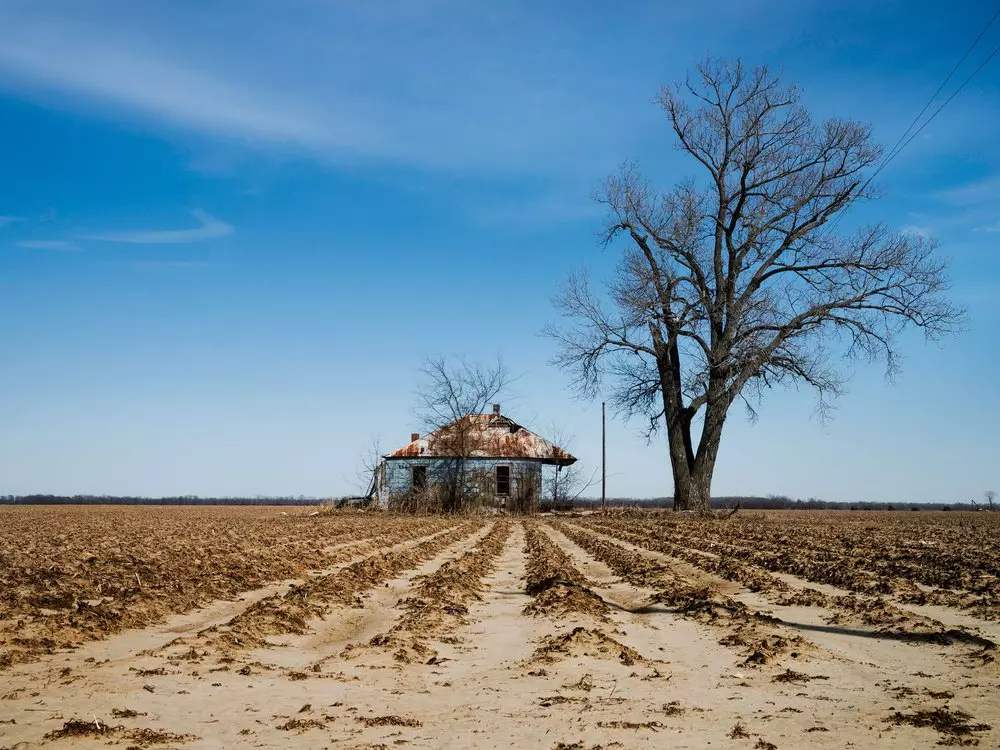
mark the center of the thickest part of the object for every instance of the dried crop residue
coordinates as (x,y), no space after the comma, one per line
(582,641)
(948,559)
(739,732)
(956,727)
(388,721)
(799,678)
(142,737)
(82,728)
(440,600)
(126,713)
(654,725)
(555,597)
(762,647)
(301,725)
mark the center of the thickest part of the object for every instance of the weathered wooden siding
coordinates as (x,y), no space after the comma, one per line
(480,474)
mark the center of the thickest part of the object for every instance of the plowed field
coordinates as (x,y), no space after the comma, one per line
(265,627)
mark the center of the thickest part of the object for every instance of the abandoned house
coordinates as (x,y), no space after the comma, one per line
(483,459)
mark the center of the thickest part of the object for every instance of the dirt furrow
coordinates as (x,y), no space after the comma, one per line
(886,619)
(438,602)
(112,587)
(938,570)
(893,673)
(556,586)
(543,633)
(101,687)
(293,611)
(748,630)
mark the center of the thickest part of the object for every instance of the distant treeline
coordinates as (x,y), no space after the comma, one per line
(770,502)
(776,502)
(178,500)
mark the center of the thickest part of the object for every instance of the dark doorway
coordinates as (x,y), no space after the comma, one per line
(503,481)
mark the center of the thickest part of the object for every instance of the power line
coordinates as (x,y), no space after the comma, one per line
(901,143)
(892,152)
(938,110)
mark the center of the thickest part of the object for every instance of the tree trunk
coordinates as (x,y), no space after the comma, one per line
(694,492)
(678,421)
(699,497)
(680,466)
(693,476)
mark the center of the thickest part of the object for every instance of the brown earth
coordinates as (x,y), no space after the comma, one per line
(260,627)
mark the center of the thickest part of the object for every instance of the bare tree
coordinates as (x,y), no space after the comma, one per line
(563,485)
(451,394)
(990,496)
(371,470)
(736,283)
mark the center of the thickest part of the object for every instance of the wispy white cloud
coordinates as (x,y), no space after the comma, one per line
(973,206)
(437,87)
(211,228)
(977,192)
(538,209)
(47,245)
(923,232)
(156,265)
(6,221)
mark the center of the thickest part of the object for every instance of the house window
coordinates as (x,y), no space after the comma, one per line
(419,477)
(503,481)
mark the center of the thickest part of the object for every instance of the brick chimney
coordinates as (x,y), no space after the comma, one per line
(496,410)
(414,437)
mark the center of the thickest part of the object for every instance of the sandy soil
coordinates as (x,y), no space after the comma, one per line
(426,644)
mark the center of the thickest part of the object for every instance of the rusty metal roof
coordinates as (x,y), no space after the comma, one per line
(484,436)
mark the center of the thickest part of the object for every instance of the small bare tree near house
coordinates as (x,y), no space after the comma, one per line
(563,485)
(451,391)
(371,470)
(990,496)
(736,282)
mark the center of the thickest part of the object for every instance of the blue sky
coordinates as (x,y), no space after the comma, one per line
(230,232)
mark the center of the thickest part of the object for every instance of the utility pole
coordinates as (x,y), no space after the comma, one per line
(604,459)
